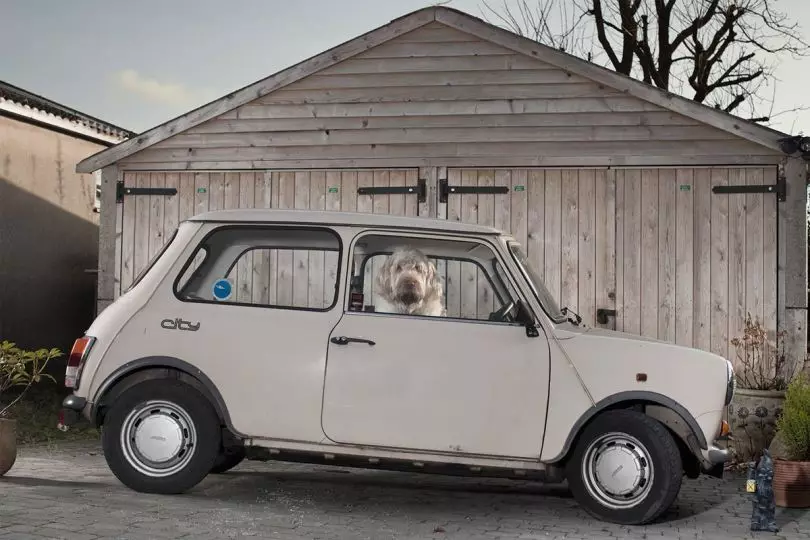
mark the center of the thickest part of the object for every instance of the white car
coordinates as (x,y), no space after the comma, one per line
(314,336)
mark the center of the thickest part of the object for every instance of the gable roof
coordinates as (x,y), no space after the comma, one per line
(762,135)
(29,107)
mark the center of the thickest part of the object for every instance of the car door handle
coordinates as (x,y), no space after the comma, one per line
(343,340)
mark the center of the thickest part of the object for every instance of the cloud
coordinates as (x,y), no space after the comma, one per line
(154,90)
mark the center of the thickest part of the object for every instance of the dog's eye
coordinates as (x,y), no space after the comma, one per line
(399,268)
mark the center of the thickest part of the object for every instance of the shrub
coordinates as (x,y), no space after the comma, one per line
(794,424)
(19,369)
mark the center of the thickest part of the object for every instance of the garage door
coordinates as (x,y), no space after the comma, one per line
(647,251)
(565,218)
(152,204)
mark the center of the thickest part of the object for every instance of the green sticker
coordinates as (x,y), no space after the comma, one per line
(520,188)
(333,189)
(201,190)
(686,187)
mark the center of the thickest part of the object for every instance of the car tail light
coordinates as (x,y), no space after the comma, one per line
(78,354)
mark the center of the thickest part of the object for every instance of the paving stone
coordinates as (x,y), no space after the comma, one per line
(70,493)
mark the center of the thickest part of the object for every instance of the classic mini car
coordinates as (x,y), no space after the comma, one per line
(385,342)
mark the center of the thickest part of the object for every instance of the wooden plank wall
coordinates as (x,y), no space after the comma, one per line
(285,277)
(677,262)
(438,96)
(692,264)
(564,218)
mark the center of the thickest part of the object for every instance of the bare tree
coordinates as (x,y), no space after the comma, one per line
(719,52)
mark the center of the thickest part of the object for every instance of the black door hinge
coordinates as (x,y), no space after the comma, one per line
(420,189)
(446,189)
(779,188)
(121,191)
(602,315)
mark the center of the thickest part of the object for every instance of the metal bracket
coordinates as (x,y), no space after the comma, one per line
(602,315)
(420,189)
(779,188)
(445,189)
(121,191)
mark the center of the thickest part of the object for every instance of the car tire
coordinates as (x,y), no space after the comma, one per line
(626,468)
(228,458)
(161,436)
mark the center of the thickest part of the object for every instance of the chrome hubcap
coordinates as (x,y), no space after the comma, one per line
(618,471)
(158,438)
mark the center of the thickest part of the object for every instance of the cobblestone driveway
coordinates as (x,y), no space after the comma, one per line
(70,493)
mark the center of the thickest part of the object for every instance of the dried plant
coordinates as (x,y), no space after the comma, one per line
(760,362)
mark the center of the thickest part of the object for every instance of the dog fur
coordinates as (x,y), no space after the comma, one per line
(408,283)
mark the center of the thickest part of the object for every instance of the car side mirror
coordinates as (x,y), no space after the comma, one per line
(524,316)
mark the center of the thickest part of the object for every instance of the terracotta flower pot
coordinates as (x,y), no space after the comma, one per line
(791,483)
(8,444)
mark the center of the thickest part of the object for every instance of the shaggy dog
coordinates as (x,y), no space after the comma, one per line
(407,282)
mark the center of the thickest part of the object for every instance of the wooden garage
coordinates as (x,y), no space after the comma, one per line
(644,211)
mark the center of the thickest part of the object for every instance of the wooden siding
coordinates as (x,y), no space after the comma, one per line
(435,96)
(564,218)
(676,261)
(145,222)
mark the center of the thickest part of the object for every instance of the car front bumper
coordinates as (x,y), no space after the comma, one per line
(713,460)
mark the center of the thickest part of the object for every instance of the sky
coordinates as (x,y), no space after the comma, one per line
(140,63)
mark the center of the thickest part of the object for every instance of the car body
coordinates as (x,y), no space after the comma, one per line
(205,360)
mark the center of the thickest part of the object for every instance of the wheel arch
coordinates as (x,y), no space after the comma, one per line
(669,412)
(158,367)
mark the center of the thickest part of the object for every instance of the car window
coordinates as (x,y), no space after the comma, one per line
(264,266)
(151,263)
(422,276)
(547,302)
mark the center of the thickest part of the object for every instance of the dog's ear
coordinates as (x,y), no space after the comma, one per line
(383,278)
(434,281)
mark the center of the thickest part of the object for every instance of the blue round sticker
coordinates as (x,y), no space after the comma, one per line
(222,289)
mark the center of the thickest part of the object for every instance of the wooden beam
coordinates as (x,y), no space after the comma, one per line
(696,147)
(106,238)
(759,134)
(258,89)
(792,266)
(368,123)
(651,160)
(491,134)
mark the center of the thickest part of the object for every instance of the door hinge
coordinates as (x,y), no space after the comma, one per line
(779,188)
(121,191)
(602,315)
(420,189)
(446,189)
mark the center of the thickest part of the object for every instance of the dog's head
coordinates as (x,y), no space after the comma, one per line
(408,277)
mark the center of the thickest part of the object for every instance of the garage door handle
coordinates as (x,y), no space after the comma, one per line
(343,340)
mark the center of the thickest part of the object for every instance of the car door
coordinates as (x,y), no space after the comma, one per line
(454,384)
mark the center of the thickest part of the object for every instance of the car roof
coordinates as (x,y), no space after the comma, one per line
(350,219)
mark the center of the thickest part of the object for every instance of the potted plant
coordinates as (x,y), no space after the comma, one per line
(791,473)
(19,370)
(760,393)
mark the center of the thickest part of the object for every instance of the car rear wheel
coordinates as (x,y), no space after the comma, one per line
(626,468)
(161,436)
(228,458)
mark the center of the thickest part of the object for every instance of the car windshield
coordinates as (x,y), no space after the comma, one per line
(547,301)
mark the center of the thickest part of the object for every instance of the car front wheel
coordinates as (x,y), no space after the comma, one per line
(161,436)
(626,468)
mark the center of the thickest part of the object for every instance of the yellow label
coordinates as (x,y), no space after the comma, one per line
(751,486)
